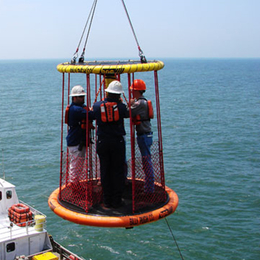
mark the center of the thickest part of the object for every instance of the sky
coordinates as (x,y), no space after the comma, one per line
(51,29)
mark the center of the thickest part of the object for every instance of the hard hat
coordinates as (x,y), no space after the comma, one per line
(77,91)
(115,87)
(138,84)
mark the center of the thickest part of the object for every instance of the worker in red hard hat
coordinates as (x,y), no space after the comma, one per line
(142,113)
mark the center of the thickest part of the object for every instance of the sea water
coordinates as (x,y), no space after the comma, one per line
(210,111)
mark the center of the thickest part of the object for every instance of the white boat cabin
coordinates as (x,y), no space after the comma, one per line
(20,238)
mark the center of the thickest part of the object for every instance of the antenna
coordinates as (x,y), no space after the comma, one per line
(3,164)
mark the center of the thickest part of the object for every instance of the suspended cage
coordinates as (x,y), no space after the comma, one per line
(79,197)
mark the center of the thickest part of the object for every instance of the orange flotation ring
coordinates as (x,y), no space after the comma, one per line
(113,221)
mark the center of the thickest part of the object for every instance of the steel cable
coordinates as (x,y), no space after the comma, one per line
(174,239)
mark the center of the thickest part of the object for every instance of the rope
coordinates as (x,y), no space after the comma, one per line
(73,61)
(90,17)
(100,90)
(81,59)
(142,57)
(174,239)
(101,84)
(126,100)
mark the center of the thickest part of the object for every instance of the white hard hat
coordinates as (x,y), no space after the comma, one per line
(77,91)
(115,87)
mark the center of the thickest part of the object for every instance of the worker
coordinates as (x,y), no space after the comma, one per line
(109,115)
(75,116)
(142,112)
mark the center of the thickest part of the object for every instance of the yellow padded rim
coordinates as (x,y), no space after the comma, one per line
(109,67)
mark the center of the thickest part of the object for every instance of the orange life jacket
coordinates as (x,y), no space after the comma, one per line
(83,121)
(150,109)
(137,119)
(109,112)
(67,114)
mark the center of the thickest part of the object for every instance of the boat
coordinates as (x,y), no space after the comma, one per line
(22,230)
(80,200)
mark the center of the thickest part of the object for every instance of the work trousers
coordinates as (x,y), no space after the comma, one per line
(76,163)
(111,152)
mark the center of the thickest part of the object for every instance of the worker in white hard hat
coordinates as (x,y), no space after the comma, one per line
(109,115)
(75,117)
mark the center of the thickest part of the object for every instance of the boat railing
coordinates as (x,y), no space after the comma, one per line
(33,210)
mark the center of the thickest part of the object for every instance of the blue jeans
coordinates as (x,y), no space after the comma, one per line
(144,142)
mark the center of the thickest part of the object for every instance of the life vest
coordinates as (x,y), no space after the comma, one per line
(67,114)
(83,121)
(137,119)
(20,214)
(109,112)
(150,109)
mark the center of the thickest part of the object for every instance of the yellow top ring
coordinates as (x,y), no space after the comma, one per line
(109,67)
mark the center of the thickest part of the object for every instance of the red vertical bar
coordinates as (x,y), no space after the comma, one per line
(132,138)
(61,141)
(88,105)
(88,155)
(95,131)
(159,128)
(67,154)
(95,155)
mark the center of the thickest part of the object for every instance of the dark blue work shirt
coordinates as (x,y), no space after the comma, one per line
(76,134)
(110,129)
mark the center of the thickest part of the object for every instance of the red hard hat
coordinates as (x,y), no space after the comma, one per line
(138,84)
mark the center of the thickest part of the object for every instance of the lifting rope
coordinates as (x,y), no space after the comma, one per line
(90,17)
(174,239)
(142,57)
(101,84)
(91,13)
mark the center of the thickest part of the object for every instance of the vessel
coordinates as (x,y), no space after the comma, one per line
(79,196)
(22,230)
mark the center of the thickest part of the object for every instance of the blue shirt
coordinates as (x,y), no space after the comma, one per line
(76,134)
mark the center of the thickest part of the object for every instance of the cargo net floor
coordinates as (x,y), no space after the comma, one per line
(82,191)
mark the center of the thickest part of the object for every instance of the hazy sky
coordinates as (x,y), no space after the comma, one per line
(32,29)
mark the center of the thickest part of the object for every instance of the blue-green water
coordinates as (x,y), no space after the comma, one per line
(210,122)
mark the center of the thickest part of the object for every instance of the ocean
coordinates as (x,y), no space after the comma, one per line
(210,111)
